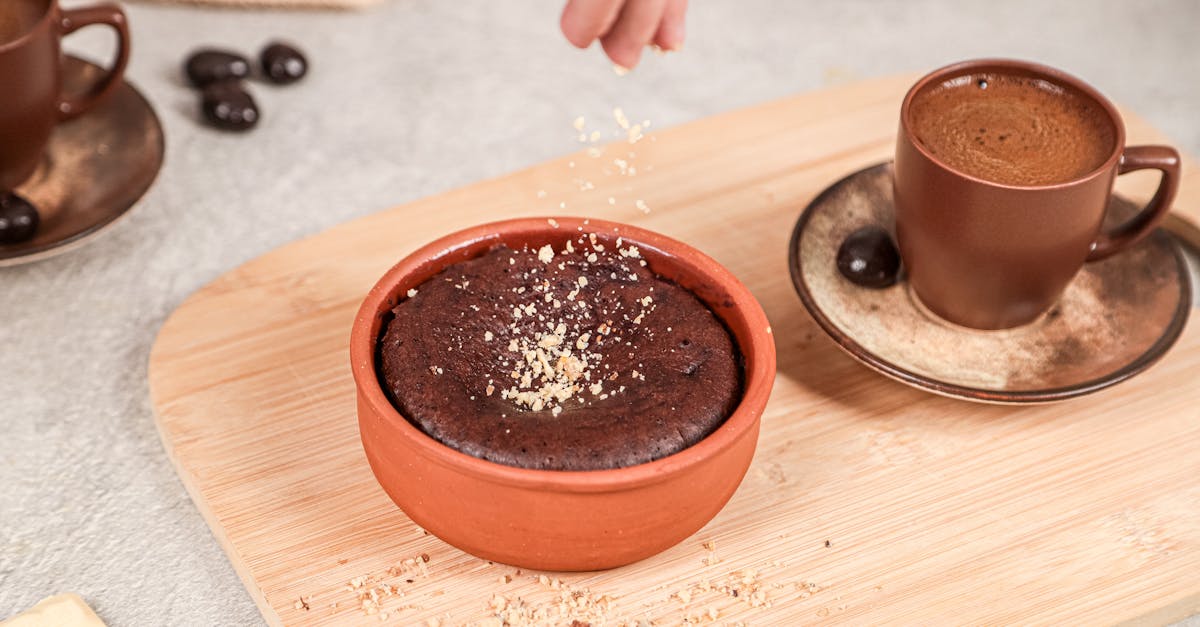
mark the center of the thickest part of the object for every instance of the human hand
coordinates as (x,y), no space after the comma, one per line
(625,27)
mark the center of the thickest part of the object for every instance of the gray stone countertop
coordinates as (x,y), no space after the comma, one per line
(408,99)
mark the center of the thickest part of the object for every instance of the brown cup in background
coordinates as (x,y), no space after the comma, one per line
(31,33)
(991,255)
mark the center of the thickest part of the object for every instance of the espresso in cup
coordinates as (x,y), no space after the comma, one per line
(1014,130)
(1004,170)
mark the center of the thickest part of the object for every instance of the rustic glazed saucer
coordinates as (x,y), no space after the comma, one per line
(95,168)
(1115,319)
(552,519)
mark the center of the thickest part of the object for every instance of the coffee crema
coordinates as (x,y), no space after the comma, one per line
(1013,130)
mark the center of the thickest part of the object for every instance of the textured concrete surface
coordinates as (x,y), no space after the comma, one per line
(408,99)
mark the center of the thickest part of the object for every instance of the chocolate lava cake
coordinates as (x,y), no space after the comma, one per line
(575,357)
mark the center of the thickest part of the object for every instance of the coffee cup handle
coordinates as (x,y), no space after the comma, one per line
(72,20)
(1162,158)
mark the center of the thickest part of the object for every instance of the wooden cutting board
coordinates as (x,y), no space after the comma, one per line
(868,502)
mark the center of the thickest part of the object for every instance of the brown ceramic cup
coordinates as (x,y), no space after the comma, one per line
(991,255)
(31,33)
(553,519)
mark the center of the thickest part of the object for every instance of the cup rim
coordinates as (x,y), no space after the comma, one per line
(757,349)
(1051,74)
(28,34)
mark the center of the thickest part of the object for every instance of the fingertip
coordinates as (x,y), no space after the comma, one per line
(575,34)
(577,40)
(664,45)
(670,37)
(672,30)
(623,54)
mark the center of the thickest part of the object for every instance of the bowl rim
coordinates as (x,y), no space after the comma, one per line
(758,353)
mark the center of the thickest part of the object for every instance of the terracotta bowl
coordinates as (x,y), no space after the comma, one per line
(548,519)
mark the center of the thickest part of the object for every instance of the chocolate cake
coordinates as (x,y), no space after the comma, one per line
(568,357)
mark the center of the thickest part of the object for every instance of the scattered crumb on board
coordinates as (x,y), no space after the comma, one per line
(405,594)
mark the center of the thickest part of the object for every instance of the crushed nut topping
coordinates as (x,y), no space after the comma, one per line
(557,360)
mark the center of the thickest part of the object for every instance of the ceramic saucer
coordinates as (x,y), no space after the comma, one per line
(1115,319)
(95,168)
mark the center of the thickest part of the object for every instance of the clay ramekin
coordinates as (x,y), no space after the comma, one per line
(561,520)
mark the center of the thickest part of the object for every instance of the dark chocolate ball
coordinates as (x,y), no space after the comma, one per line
(210,65)
(229,107)
(869,258)
(283,63)
(18,219)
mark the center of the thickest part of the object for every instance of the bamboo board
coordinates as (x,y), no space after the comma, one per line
(868,502)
